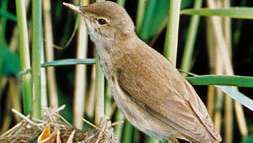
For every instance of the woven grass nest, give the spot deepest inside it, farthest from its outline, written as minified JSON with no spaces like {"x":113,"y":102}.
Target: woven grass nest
{"x":55,"y":129}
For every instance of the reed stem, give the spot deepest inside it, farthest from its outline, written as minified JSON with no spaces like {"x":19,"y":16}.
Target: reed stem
{"x":24,"y":55}
{"x":37,"y":46}
{"x":80,"y":79}
{"x":49,"y":50}
{"x":228,"y":101}
{"x":90,"y":104}
{"x":140,"y":15}
{"x":121,"y":2}
{"x":215,"y":68}
{"x":128,"y":133}
{"x":171,"y":41}
{"x":100,"y":81}
{"x":191,"y":38}
{"x":119,"y":128}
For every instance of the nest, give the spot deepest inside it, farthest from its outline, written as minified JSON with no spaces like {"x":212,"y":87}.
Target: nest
{"x":54,"y":129}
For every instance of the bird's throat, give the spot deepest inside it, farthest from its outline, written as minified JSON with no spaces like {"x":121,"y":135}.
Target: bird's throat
{"x":104,"y":60}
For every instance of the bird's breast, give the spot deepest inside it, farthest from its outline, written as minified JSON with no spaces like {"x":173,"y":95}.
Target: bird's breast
{"x":138,"y":115}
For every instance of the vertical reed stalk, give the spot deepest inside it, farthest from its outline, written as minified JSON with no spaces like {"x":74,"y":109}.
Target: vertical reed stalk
{"x":119,"y":128}
{"x":215,"y":23}
{"x":227,"y":28}
{"x":43,"y":78}
{"x":128,"y":133}
{"x":241,"y":119}
{"x":121,"y":2}
{"x":211,"y":95}
{"x":14,"y":96}
{"x":13,"y":41}
{"x":228,"y":101}
{"x":219,"y":37}
{"x":191,"y":38}
{"x":49,"y":49}
{"x":210,"y":100}
{"x":140,"y":15}
{"x":229,"y":120}
{"x":215,"y":68}
{"x":90,"y":104}
{"x":7,"y":119}
{"x":238,"y":107}
{"x":37,"y":46}
{"x":171,"y":41}
{"x":100,"y":80}
{"x":80,"y":79}
{"x":24,"y":56}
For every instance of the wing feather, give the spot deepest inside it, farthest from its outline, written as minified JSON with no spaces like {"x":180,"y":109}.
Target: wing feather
{"x":165,"y":93}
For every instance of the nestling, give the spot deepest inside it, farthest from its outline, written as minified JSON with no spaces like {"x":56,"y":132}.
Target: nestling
{"x":148,"y":89}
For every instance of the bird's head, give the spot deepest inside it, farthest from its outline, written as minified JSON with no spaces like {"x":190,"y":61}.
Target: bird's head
{"x":105,"y":20}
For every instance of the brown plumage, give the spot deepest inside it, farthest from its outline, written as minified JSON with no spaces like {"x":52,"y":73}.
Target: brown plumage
{"x":147,"y":88}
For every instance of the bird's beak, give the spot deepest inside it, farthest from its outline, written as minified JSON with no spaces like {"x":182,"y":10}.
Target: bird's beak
{"x":73,"y":7}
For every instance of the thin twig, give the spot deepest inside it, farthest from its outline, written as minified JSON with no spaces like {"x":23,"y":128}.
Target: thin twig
{"x":26,"y":118}
{"x":91,"y":124}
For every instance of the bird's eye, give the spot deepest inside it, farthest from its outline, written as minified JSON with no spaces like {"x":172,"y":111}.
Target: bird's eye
{"x":102,"y":21}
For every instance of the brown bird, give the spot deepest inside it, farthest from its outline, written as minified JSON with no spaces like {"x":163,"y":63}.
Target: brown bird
{"x":148,"y":89}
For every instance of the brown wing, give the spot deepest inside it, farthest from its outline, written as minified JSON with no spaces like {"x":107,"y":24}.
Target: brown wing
{"x":152,"y":80}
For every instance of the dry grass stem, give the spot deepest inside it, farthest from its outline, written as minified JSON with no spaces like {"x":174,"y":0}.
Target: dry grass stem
{"x":49,"y":51}
{"x":80,"y":75}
